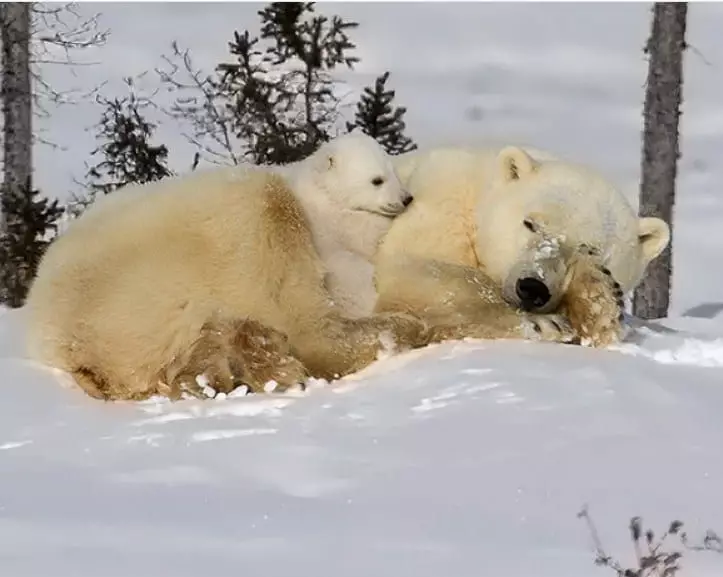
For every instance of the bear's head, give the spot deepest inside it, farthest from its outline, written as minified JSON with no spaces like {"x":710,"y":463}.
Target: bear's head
{"x":535,"y":212}
{"x":354,"y":173}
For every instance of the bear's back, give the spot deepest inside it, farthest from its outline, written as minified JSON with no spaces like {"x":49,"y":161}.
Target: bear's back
{"x":203,"y":237}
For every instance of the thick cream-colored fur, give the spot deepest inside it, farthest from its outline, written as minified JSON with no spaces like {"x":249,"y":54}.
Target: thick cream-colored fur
{"x":484,"y":218}
{"x":223,"y":273}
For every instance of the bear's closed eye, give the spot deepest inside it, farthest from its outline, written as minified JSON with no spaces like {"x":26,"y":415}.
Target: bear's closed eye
{"x":378,"y":181}
{"x":530,"y":225}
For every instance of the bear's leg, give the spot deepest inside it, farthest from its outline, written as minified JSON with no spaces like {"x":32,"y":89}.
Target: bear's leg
{"x":230,"y":353}
{"x":97,"y":386}
{"x":461,"y":302}
{"x":336,"y":346}
{"x":91,"y":383}
{"x":593,"y":300}
{"x":504,"y":322}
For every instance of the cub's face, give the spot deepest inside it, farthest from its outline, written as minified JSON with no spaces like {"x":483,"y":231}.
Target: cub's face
{"x":361,"y":177}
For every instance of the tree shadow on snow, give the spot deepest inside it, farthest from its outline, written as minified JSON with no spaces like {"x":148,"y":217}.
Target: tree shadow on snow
{"x":704,"y":310}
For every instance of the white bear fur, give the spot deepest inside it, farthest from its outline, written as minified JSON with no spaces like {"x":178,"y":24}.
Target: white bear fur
{"x":467,"y":210}
{"x":129,"y":284}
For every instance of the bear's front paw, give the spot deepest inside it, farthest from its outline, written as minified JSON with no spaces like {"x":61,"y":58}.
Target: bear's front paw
{"x":550,"y":328}
{"x":594,"y":301}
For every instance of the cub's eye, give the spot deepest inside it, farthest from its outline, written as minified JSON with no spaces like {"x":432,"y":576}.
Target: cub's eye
{"x":378,"y":181}
{"x":530,"y":225}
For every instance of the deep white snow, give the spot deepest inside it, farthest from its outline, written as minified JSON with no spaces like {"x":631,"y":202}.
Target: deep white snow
{"x":461,"y":460}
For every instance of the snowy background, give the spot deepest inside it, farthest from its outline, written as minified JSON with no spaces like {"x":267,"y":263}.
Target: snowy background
{"x":464,"y":459}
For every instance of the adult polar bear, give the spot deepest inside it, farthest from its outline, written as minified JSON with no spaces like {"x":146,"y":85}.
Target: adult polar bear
{"x":514,"y":228}
{"x":239,"y":275}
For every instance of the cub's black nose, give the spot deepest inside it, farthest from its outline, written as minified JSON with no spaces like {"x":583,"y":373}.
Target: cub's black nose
{"x":407,"y":200}
{"x":533,"y":293}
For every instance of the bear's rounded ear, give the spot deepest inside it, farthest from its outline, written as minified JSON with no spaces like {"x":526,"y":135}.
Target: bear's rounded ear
{"x":514,"y":163}
{"x":653,"y":236}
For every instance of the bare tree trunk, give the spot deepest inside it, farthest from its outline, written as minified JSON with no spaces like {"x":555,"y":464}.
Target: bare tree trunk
{"x":16,"y":97}
{"x":17,"y":144}
{"x":661,"y":113}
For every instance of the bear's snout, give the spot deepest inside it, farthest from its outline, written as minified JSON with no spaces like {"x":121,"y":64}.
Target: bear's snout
{"x":407,"y":200}
{"x":533,"y":293}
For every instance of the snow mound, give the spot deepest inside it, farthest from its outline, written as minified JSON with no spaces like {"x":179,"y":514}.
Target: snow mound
{"x":464,"y":458}
{"x":670,"y":346}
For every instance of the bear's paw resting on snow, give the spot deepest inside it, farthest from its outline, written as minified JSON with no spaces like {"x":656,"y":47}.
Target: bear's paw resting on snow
{"x":511,"y":243}
{"x":222,"y":278}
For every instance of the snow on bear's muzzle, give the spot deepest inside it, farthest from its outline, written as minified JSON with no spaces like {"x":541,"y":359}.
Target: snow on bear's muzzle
{"x":536,"y":284}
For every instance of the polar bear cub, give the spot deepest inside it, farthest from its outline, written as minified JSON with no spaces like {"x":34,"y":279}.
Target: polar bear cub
{"x":223,"y":277}
{"x":352,"y":194}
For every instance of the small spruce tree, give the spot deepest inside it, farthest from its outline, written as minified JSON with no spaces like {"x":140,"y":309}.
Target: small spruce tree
{"x":31,"y":227}
{"x":279,"y":86}
{"x":376,"y":116}
{"x":273,"y":101}
{"x":128,"y":155}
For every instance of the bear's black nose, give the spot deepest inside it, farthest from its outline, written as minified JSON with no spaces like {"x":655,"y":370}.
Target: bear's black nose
{"x":407,"y":200}
{"x":533,"y":293}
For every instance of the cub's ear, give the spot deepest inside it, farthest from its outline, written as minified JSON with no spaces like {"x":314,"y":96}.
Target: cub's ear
{"x":513,"y":163}
{"x":322,"y":161}
{"x":653,"y":236}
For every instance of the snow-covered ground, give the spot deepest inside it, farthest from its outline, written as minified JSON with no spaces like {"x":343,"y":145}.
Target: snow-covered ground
{"x":461,"y":460}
